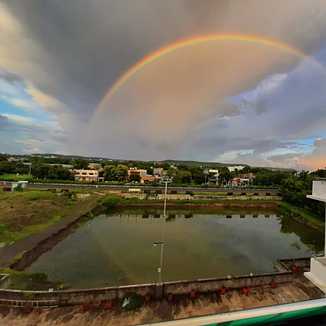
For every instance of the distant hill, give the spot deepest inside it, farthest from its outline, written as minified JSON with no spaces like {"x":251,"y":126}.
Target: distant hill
{"x":175,"y":162}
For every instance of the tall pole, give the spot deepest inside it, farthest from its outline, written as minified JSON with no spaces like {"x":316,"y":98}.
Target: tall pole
{"x":165,"y":197}
{"x":162,"y":244}
{"x":160,"y":277}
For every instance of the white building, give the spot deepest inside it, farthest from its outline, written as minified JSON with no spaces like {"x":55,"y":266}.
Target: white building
{"x":317,"y":274}
{"x":213,"y":175}
{"x":158,"y":171}
{"x":86,"y":175}
{"x":236,"y":168}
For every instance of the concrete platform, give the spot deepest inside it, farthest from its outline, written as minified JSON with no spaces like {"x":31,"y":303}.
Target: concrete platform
{"x":317,"y":274}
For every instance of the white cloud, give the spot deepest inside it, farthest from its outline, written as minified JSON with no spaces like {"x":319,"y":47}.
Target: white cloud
{"x":18,"y":119}
{"x":24,"y":104}
{"x":42,"y":99}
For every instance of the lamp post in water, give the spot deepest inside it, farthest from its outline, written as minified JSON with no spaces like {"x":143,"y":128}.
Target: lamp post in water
{"x":161,"y":243}
{"x":159,"y":269}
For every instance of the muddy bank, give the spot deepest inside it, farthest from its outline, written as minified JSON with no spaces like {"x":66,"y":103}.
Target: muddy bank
{"x":212,"y":205}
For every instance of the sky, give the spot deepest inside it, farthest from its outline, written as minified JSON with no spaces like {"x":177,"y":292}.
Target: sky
{"x":239,"y":99}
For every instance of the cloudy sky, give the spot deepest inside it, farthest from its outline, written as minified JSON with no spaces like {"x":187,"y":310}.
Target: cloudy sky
{"x":227,"y":100}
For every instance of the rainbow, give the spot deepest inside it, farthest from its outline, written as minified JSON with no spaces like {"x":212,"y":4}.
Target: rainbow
{"x":193,"y":41}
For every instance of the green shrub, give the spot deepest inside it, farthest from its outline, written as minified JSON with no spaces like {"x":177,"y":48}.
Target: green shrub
{"x":110,"y":201}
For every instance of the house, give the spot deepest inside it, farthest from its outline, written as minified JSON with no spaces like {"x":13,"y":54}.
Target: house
{"x":239,"y":182}
{"x":148,"y":178}
{"x":132,"y":172}
{"x":87,"y":175}
{"x":236,"y":168}
{"x":159,"y":172}
{"x":249,"y":176}
{"x":12,"y":159}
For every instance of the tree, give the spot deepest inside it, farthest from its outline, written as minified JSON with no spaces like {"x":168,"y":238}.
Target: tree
{"x":295,"y":189}
{"x":321,"y":173}
{"x":134,"y":177}
{"x":7,"y":167}
{"x":40,"y":171}
{"x":197,"y":174}
{"x":80,"y":164}
{"x":57,"y":172}
{"x":109,"y":172}
{"x":121,"y":172}
{"x":172,"y":172}
{"x":115,"y":173}
{"x":224,"y":175}
{"x":183,"y":176}
{"x":266,"y":177}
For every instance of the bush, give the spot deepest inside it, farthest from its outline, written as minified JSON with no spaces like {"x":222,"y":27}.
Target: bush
{"x":110,"y":202}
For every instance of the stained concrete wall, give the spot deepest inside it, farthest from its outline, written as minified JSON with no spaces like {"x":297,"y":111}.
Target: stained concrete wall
{"x":75,"y":297}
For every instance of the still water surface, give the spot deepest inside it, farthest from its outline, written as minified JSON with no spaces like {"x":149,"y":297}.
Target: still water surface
{"x":118,"y":248}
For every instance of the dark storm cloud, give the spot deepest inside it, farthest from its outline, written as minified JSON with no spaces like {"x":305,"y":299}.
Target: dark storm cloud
{"x":80,"y":47}
{"x":87,"y":44}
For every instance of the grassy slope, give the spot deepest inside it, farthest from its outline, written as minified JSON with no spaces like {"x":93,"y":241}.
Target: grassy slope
{"x":26,"y":213}
{"x":300,"y":213}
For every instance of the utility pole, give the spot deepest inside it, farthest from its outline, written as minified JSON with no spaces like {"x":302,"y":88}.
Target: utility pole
{"x":161,"y":243}
{"x":165,"y":197}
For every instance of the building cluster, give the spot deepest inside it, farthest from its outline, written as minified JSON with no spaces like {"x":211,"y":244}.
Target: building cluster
{"x":94,"y":173}
{"x":89,"y":175}
{"x":143,"y":177}
{"x":242,"y":180}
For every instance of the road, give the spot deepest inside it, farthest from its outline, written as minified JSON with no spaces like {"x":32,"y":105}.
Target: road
{"x":148,"y":187}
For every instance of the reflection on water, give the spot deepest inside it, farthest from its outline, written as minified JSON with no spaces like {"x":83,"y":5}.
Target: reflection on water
{"x":118,"y":248}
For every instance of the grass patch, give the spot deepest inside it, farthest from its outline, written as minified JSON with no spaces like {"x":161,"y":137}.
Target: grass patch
{"x":15,"y":177}
{"x":39,"y":195}
{"x":29,"y":212}
{"x":302,"y":215}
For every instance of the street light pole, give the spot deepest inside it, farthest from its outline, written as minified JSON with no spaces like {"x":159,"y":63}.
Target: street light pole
{"x":160,"y":268}
{"x":165,"y":198}
{"x":161,"y":243}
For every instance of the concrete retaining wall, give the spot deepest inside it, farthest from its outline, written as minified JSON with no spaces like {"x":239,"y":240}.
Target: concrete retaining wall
{"x":76,"y":297}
